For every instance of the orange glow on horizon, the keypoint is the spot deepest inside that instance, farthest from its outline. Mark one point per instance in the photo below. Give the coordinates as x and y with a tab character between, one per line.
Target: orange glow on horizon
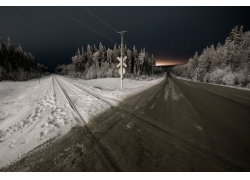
168	62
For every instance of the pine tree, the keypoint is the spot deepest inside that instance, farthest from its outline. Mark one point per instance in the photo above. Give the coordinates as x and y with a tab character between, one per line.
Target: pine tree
10	47
153	63
125	49
84	58
3	52
238	38
129	61
195	61
146	64
141	60
109	57
89	57
101	54
135	61
114	55
95	49
19	49
233	34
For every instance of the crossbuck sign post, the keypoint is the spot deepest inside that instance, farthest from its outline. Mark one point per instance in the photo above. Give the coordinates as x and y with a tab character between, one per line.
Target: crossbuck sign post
121	60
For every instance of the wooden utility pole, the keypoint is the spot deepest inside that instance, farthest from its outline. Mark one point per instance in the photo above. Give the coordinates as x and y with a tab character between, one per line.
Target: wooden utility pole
122	59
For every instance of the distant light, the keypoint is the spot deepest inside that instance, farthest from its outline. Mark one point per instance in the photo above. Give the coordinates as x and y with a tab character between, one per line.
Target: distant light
169	62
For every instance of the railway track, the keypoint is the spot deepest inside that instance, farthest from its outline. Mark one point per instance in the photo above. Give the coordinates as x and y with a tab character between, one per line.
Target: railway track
102	147
119	108
140	118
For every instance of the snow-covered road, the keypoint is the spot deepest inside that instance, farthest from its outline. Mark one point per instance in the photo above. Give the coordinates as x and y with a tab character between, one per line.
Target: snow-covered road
32	113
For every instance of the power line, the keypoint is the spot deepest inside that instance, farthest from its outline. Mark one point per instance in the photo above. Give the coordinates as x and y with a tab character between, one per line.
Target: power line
113	22
83	24
128	43
108	16
99	14
105	23
98	18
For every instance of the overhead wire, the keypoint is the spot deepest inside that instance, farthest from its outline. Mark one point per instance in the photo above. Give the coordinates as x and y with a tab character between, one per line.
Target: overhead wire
108	16
98	18
105	24
113	22
83	24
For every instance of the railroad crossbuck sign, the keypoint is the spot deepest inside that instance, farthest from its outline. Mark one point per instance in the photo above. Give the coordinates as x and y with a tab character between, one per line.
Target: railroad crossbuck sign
121	59
121	64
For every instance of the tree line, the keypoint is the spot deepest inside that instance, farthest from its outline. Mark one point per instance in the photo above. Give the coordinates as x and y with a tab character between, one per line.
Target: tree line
100	63
17	65
227	63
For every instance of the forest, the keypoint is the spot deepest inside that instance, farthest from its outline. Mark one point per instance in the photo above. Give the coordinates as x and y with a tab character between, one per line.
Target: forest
17	65
227	63
100	63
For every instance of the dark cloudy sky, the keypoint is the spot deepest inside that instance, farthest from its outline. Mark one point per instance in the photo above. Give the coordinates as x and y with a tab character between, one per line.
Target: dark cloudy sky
172	34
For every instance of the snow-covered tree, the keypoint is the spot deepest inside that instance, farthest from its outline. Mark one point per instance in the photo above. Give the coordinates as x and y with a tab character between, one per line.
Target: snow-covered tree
16	64
102	53
228	63
95	49
109	56
129	61
135	61
114	55
101	63
153	63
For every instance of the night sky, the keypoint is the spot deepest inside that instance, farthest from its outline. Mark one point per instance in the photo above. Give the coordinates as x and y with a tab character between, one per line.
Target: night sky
172	34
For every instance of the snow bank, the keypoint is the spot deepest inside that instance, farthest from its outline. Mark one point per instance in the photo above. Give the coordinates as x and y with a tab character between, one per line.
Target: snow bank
186	79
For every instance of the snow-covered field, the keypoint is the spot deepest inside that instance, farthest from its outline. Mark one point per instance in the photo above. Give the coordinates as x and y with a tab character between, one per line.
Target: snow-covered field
32	113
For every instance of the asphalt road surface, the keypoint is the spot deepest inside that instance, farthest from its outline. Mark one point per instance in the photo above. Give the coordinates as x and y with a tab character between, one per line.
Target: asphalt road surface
176	125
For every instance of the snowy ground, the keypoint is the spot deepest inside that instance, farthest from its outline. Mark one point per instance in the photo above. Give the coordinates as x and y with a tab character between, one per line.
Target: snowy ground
32	113
110	88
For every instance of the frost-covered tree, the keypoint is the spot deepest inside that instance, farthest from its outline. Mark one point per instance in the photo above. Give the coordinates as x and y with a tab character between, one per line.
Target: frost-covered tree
101	63
3	52
129	61
16	64
89	56
95	49
135	61
228	63
141	61
153	63
114	55
109	56
102	53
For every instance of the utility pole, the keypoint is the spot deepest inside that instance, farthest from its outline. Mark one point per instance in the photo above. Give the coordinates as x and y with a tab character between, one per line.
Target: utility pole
122	59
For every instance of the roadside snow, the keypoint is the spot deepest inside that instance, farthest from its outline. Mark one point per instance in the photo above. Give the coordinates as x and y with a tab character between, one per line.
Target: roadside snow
186	79
32	113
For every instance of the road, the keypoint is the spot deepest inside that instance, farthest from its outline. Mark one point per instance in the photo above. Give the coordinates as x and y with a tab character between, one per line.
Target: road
176	125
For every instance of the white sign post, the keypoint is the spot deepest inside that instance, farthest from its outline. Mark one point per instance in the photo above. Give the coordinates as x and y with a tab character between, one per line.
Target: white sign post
121	59
121	69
